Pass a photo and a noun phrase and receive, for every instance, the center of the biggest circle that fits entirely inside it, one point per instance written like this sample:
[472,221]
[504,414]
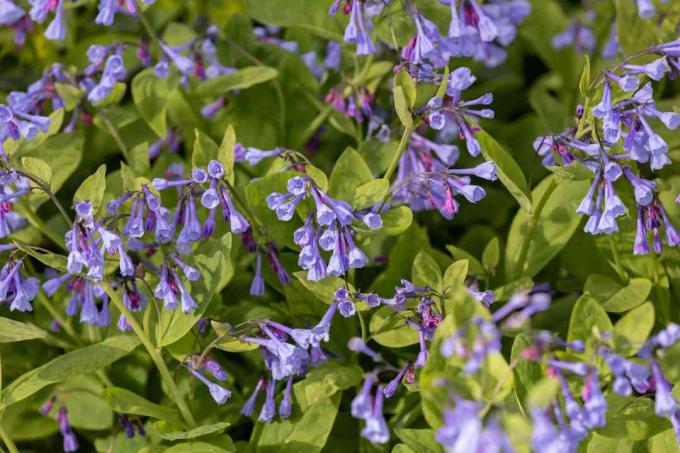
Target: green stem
[113,130]
[362,324]
[318,121]
[8,441]
[145,24]
[395,161]
[397,155]
[617,259]
[38,223]
[519,269]
[42,185]
[155,355]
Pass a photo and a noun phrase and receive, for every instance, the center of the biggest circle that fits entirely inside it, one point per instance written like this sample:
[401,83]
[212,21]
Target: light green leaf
[225,153]
[205,149]
[126,402]
[239,80]
[92,189]
[420,440]
[507,170]
[404,80]
[69,94]
[425,271]
[369,194]
[587,319]
[349,172]
[633,329]
[401,107]
[549,232]
[38,168]
[324,381]
[150,95]
[492,255]
[11,331]
[391,330]
[200,431]
[81,361]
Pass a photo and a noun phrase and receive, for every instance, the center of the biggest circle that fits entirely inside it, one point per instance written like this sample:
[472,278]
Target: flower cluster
[622,135]
[328,226]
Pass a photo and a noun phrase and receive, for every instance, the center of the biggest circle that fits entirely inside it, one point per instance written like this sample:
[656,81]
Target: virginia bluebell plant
[325,226]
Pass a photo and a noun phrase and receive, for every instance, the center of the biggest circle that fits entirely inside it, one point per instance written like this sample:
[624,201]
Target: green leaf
[200,431]
[550,231]
[584,81]
[616,298]
[633,329]
[310,15]
[507,170]
[87,410]
[62,153]
[404,80]
[325,381]
[239,80]
[587,319]
[576,171]
[126,402]
[205,149]
[46,257]
[425,271]
[256,194]
[492,255]
[401,107]
[225,153]
[150,95]
[69,94]
[394,222]
[349,172]
[420,440]
[369,194]
[527,373]
[92,189]
[81,361]
[458,253]
[11,331]
[211,259]
[203,447]
[324,290]
[391,330]
[631,418]
[39,168]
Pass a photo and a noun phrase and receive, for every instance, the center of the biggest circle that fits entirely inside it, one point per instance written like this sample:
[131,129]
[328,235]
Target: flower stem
[155,355]
[8,440]
[113,130]
[395,161]
[519,269]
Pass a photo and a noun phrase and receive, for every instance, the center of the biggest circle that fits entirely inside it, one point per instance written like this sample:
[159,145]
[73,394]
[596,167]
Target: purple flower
[249,406]
[355,33]
[376,430]
[285,407]
[15,289]
[362,404]
[219,394]
[462,429]
[268,410]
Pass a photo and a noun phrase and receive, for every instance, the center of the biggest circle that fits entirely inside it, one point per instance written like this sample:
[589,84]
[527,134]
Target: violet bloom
[219,394]
[362,404]
[328,226]
[578,35]
[454,108]
[146,215]
[88,242]
[286,406]
[462,429]
[70,440]
[84,293]
[16,122]
[268,410]
[114,71]
[249,406]
[12,188]
[356,31]
[376,430]
[356,344]
[171,289]
[15,289]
